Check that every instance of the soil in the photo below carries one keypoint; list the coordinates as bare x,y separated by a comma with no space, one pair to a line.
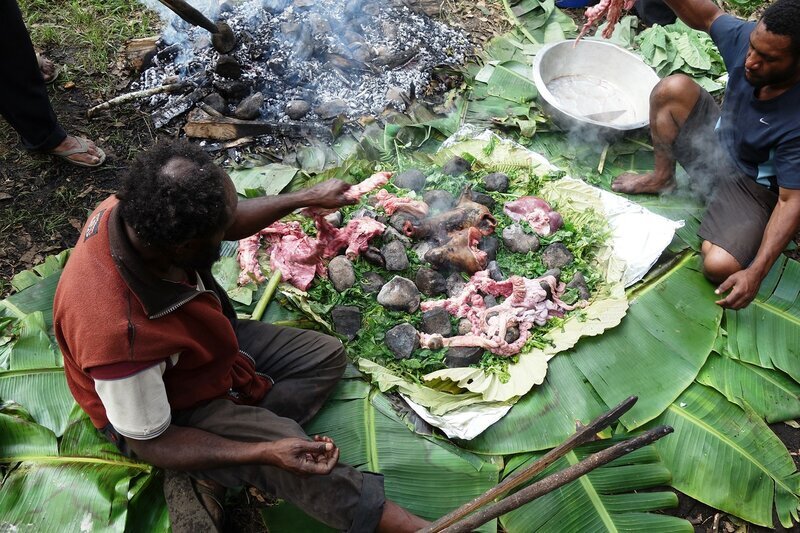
44,201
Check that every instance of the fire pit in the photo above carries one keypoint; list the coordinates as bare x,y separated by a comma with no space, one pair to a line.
298,62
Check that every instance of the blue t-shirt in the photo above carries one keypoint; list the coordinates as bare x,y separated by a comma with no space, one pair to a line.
762,136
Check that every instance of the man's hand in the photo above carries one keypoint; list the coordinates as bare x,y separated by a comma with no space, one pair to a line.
743,286
329,194
304,457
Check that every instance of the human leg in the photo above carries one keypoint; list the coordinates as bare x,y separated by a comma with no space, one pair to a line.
733,226
24,102
671,104
304,366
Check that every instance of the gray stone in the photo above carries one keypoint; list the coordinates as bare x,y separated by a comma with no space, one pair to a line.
496,181
297,109
439,200
346,320
362,53
374,256
400,294
250,107
489,244
436,320
464,326
456,167
555,272
482,198
372,282
412,178
494,271
399,218
277,66
363,212
273,6
394,255
216,102
460,357
402,340
332,108
341,273
429,282
455,284
391,234
512,334
578,282
556,255
334,219
228,67
422,248
516,240
489,301
232,89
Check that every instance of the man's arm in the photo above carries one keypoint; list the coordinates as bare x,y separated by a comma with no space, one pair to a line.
697,14
782,227
258,213
185,448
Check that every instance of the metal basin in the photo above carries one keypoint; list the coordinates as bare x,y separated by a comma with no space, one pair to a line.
594,86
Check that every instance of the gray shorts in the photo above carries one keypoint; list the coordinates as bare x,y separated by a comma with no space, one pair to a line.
738,208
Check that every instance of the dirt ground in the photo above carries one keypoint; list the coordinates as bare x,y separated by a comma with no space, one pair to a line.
44,201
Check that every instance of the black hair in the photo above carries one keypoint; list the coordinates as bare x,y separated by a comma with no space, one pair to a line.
166,210
783,18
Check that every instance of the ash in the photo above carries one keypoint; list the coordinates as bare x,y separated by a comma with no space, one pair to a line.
317,60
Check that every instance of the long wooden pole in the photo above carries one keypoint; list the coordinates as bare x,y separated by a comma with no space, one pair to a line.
556,480
582,436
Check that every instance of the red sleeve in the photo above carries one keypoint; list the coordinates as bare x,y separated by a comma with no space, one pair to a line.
123,370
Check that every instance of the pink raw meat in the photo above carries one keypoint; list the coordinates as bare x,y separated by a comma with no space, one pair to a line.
391,203
611,9
536,212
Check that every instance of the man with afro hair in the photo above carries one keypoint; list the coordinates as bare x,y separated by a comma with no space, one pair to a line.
748,152
155,355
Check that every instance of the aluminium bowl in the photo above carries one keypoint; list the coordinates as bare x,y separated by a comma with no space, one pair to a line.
594,86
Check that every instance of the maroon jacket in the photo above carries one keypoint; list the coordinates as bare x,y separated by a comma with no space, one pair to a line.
109,309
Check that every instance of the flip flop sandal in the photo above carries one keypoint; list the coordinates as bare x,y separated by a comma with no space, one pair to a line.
83,148
48,79
211,495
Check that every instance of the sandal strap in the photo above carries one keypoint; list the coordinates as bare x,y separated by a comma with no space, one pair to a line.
83,148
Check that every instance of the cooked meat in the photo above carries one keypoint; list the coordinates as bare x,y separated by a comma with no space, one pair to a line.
460,252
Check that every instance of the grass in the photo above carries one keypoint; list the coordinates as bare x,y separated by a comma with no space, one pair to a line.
93,30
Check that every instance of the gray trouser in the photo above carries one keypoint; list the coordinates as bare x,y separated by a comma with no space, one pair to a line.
305,366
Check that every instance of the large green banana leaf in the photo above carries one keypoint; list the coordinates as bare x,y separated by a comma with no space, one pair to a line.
728,457
770,393
606,499
655,353
82,485
767,332
426,476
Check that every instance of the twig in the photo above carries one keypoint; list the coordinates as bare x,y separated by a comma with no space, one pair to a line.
135,95
603,155
582,436
269,292
559,479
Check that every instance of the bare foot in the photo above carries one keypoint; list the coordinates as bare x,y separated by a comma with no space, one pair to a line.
631,183
79,151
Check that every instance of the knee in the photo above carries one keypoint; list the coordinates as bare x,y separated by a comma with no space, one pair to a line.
674,88
718,264
337,358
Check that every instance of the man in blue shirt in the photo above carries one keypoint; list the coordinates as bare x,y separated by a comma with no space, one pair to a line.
748,152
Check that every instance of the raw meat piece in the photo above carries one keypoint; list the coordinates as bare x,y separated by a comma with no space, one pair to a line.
536,212
379,179
611,9
391,203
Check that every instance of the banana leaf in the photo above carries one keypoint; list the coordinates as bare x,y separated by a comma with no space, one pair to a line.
655,353
770,393
606,499
767,332
426,476
47,489
727,457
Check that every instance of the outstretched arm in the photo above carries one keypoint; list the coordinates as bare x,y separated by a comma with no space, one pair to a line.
782,227
697,14
258,213
185,448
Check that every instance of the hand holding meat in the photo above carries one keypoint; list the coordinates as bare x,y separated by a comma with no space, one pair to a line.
330,194
304,457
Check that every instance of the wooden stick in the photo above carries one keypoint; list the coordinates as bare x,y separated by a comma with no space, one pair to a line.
582,436
135,95
558,479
